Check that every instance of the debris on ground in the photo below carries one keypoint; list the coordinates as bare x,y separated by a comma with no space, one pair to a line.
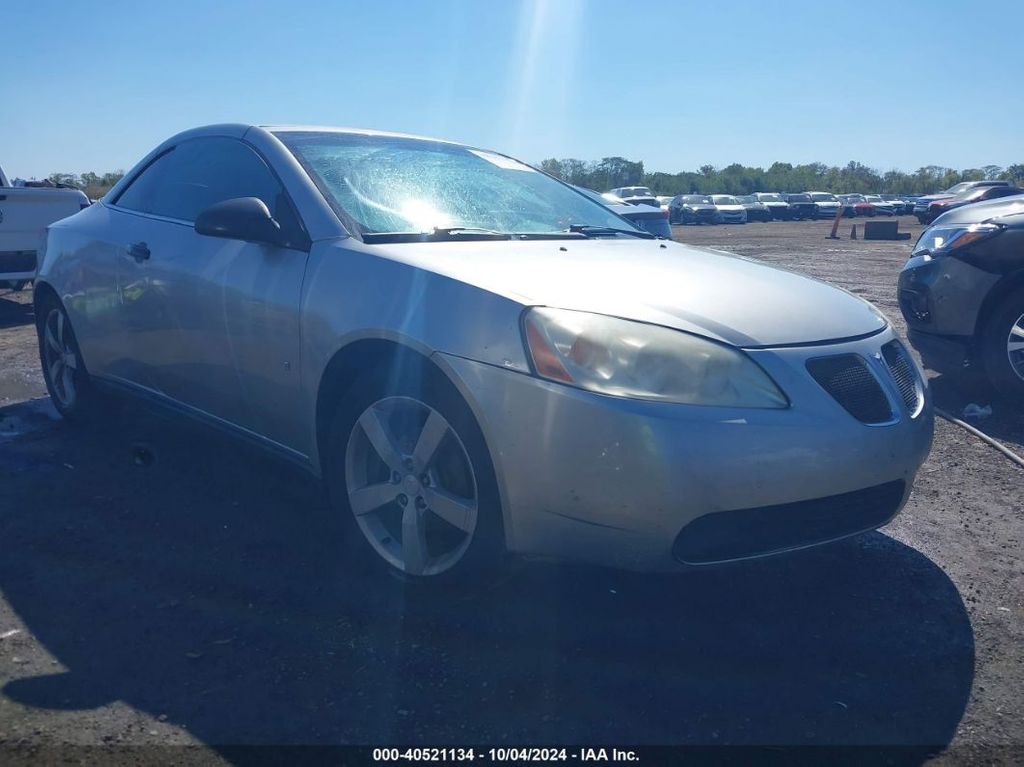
974,410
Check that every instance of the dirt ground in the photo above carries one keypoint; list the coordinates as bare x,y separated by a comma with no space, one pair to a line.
196,598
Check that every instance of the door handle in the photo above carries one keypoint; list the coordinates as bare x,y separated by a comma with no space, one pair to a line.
139,251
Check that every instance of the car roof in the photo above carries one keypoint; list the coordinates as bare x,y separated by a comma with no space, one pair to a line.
1007,210
353,131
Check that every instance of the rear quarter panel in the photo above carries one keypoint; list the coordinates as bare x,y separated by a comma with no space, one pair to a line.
79,263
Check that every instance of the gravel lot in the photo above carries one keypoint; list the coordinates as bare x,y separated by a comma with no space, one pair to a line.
197,599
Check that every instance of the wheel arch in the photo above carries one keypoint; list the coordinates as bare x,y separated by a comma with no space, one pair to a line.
1008,284
365,355
43,291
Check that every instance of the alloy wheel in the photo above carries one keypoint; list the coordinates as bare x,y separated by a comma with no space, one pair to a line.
60,358
411,485
1015,347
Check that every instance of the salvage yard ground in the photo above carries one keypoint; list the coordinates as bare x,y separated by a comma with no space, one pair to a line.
197,598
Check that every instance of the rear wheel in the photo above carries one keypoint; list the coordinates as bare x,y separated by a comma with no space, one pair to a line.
1002,346
408,469
64,372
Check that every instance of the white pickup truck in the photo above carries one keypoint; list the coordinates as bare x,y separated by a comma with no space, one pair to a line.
25,212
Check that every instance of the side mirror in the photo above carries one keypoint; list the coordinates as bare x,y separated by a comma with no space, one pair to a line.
243,218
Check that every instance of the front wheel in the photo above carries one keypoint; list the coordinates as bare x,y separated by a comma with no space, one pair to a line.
1002,347
408,468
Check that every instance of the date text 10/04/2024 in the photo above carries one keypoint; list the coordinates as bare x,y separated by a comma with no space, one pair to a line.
504,754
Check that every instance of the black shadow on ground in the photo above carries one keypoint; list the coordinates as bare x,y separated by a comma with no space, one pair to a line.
14,314
207,587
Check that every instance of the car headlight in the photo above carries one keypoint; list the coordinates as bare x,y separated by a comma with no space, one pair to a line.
941,240
640,361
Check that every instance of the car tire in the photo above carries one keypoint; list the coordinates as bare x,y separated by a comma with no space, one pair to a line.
374,544
1003,367
67,379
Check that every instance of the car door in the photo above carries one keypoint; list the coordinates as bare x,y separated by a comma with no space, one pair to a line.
216,319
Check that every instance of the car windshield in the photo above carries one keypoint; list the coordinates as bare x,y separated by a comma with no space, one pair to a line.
635,191
765,197
970,194
724,199
823,197
747,199
392,185
799,198
956,189
696,199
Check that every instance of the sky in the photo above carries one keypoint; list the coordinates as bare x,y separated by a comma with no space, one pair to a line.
677,84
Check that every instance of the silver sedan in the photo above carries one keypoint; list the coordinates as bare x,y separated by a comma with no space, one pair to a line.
478,359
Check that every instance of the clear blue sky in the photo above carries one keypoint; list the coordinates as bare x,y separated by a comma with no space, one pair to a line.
891,83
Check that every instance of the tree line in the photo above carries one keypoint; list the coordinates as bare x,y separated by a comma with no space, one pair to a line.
854,177
95,185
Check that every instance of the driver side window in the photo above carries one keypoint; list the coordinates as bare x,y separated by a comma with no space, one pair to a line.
197,173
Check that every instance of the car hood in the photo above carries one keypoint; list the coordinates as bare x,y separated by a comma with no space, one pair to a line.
730,207
698,205
1005,210
933,197
708,292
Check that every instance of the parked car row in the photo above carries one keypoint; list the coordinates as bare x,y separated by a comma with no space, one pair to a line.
760,206
775,206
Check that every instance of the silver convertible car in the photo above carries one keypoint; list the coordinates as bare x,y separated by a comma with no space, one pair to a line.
477,358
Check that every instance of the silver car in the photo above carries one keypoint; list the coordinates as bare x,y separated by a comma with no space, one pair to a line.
477,358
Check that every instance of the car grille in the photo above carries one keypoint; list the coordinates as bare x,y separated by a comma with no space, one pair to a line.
725,535
904,375
847,378
18,261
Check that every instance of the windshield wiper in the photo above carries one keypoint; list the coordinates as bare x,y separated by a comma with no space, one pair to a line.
455,231
439,234
591,229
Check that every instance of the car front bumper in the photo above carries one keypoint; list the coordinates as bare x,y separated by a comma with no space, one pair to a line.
943,354
941,300
618,482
